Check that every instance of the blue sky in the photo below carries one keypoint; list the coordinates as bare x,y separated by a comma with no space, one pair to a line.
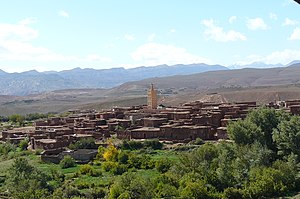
64,34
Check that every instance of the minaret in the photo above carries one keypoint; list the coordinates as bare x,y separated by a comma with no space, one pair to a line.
152,98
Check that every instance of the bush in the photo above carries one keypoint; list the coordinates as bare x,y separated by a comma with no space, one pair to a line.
107,166
198,141
87,169
119,169
163,165
85,143
5,148
132,145
67,162
95,193
111,153
154,144
83,185
23,144
232,193
135,161
123,157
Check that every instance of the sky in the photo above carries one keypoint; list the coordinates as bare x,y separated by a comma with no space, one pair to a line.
64,34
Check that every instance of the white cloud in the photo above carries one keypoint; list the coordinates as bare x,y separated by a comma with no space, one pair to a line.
27,21
151,37
129,37
151,54
256,24
289,22
232,19
17,32
295,35
217,33
63,14
172,30
284,57
273,16
15,45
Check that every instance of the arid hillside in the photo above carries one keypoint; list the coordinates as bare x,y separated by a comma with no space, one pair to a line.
261,85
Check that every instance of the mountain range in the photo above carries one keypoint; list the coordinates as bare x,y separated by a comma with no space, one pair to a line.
225,79
248,84
34,82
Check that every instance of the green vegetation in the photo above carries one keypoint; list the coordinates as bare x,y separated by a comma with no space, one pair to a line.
17,120
86,143
262,162
67,162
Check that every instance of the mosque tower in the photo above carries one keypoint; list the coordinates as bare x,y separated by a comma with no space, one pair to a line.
152,98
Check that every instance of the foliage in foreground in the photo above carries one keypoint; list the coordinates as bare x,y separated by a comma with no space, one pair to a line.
262,162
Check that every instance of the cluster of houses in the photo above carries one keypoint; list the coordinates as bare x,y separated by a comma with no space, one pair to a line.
184,123
187,122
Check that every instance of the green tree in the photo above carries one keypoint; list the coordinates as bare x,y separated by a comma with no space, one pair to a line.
194,190
267,119
25,181
131,185
244,132
287,137
16,118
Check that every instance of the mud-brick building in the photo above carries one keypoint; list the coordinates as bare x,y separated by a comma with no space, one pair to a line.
47,144
145,133
154,121
294,109
190,133
221,133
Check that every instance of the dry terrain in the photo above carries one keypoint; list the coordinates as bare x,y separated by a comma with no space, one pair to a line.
261,85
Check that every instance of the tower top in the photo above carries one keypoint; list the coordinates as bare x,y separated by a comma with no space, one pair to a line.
152,86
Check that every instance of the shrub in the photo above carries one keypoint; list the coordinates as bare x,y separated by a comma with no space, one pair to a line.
87,169
67,162
154,144
111,153
83,185
107,166
198,141
23,144
123,157
135,161
132,145
232,193
85,143
163,165
119,169
5,148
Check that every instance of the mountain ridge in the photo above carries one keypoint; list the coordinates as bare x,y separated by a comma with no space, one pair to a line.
32,82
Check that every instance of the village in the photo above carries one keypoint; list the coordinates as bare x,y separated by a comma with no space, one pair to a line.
205,120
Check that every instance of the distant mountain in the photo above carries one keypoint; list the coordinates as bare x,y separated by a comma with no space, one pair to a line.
248,77
255,65
293,62
2,72
31,82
